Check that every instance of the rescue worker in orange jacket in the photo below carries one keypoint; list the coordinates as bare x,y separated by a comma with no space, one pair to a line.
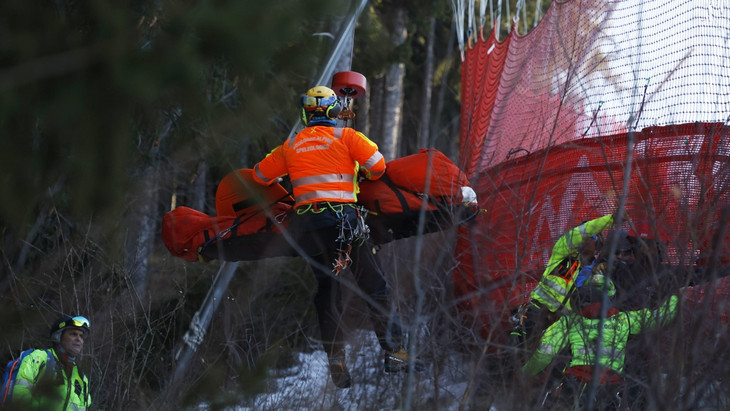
323,163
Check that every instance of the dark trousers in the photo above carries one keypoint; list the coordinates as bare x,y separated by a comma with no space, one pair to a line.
574,394
532,319
319,235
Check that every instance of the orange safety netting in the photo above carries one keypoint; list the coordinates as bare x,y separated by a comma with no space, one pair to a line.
552,121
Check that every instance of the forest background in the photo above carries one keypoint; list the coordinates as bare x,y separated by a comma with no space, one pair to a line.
114,112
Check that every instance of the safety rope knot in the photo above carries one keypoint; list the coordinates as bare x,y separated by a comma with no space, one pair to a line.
342,261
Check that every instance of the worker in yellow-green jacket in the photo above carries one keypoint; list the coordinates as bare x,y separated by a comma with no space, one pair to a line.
51,379
574,250
597,345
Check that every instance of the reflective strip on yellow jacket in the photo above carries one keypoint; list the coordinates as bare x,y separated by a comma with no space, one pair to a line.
581,334
323,164
65,393
552,290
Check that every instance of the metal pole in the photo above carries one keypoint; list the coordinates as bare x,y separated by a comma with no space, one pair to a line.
201,320
342,41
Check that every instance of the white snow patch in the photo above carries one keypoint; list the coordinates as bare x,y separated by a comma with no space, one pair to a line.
308,385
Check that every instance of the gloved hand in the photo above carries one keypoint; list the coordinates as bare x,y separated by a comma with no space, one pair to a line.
468,196
623,214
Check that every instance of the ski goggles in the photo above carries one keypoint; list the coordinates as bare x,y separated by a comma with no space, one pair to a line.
310,103
78,321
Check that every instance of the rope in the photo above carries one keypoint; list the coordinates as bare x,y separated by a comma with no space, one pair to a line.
237,222
347,236
458,8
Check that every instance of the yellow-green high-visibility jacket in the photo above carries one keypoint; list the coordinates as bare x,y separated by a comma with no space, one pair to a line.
555,285
39,390
581,334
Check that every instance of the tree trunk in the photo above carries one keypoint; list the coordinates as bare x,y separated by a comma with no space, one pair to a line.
143,230
362,111
144,218
451,139
197,192
424,131
393,99
344,62
374,127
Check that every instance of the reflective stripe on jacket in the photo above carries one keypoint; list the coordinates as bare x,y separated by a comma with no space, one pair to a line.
70,393
553,289
323,164
581,334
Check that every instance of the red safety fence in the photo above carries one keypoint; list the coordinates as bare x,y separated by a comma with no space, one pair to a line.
679,186
553,122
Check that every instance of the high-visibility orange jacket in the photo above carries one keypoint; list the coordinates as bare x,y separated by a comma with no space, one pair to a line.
323,164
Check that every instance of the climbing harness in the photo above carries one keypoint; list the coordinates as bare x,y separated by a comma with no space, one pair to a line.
362,231
348,234
344,243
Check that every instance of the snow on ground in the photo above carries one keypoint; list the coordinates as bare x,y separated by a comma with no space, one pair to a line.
308,385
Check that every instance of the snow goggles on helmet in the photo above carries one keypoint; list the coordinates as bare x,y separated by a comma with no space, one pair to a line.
77,321
311,103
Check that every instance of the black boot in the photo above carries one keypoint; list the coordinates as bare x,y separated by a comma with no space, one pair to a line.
397,361
338,371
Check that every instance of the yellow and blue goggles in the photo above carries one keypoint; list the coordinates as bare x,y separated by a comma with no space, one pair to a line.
311,103
77,321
